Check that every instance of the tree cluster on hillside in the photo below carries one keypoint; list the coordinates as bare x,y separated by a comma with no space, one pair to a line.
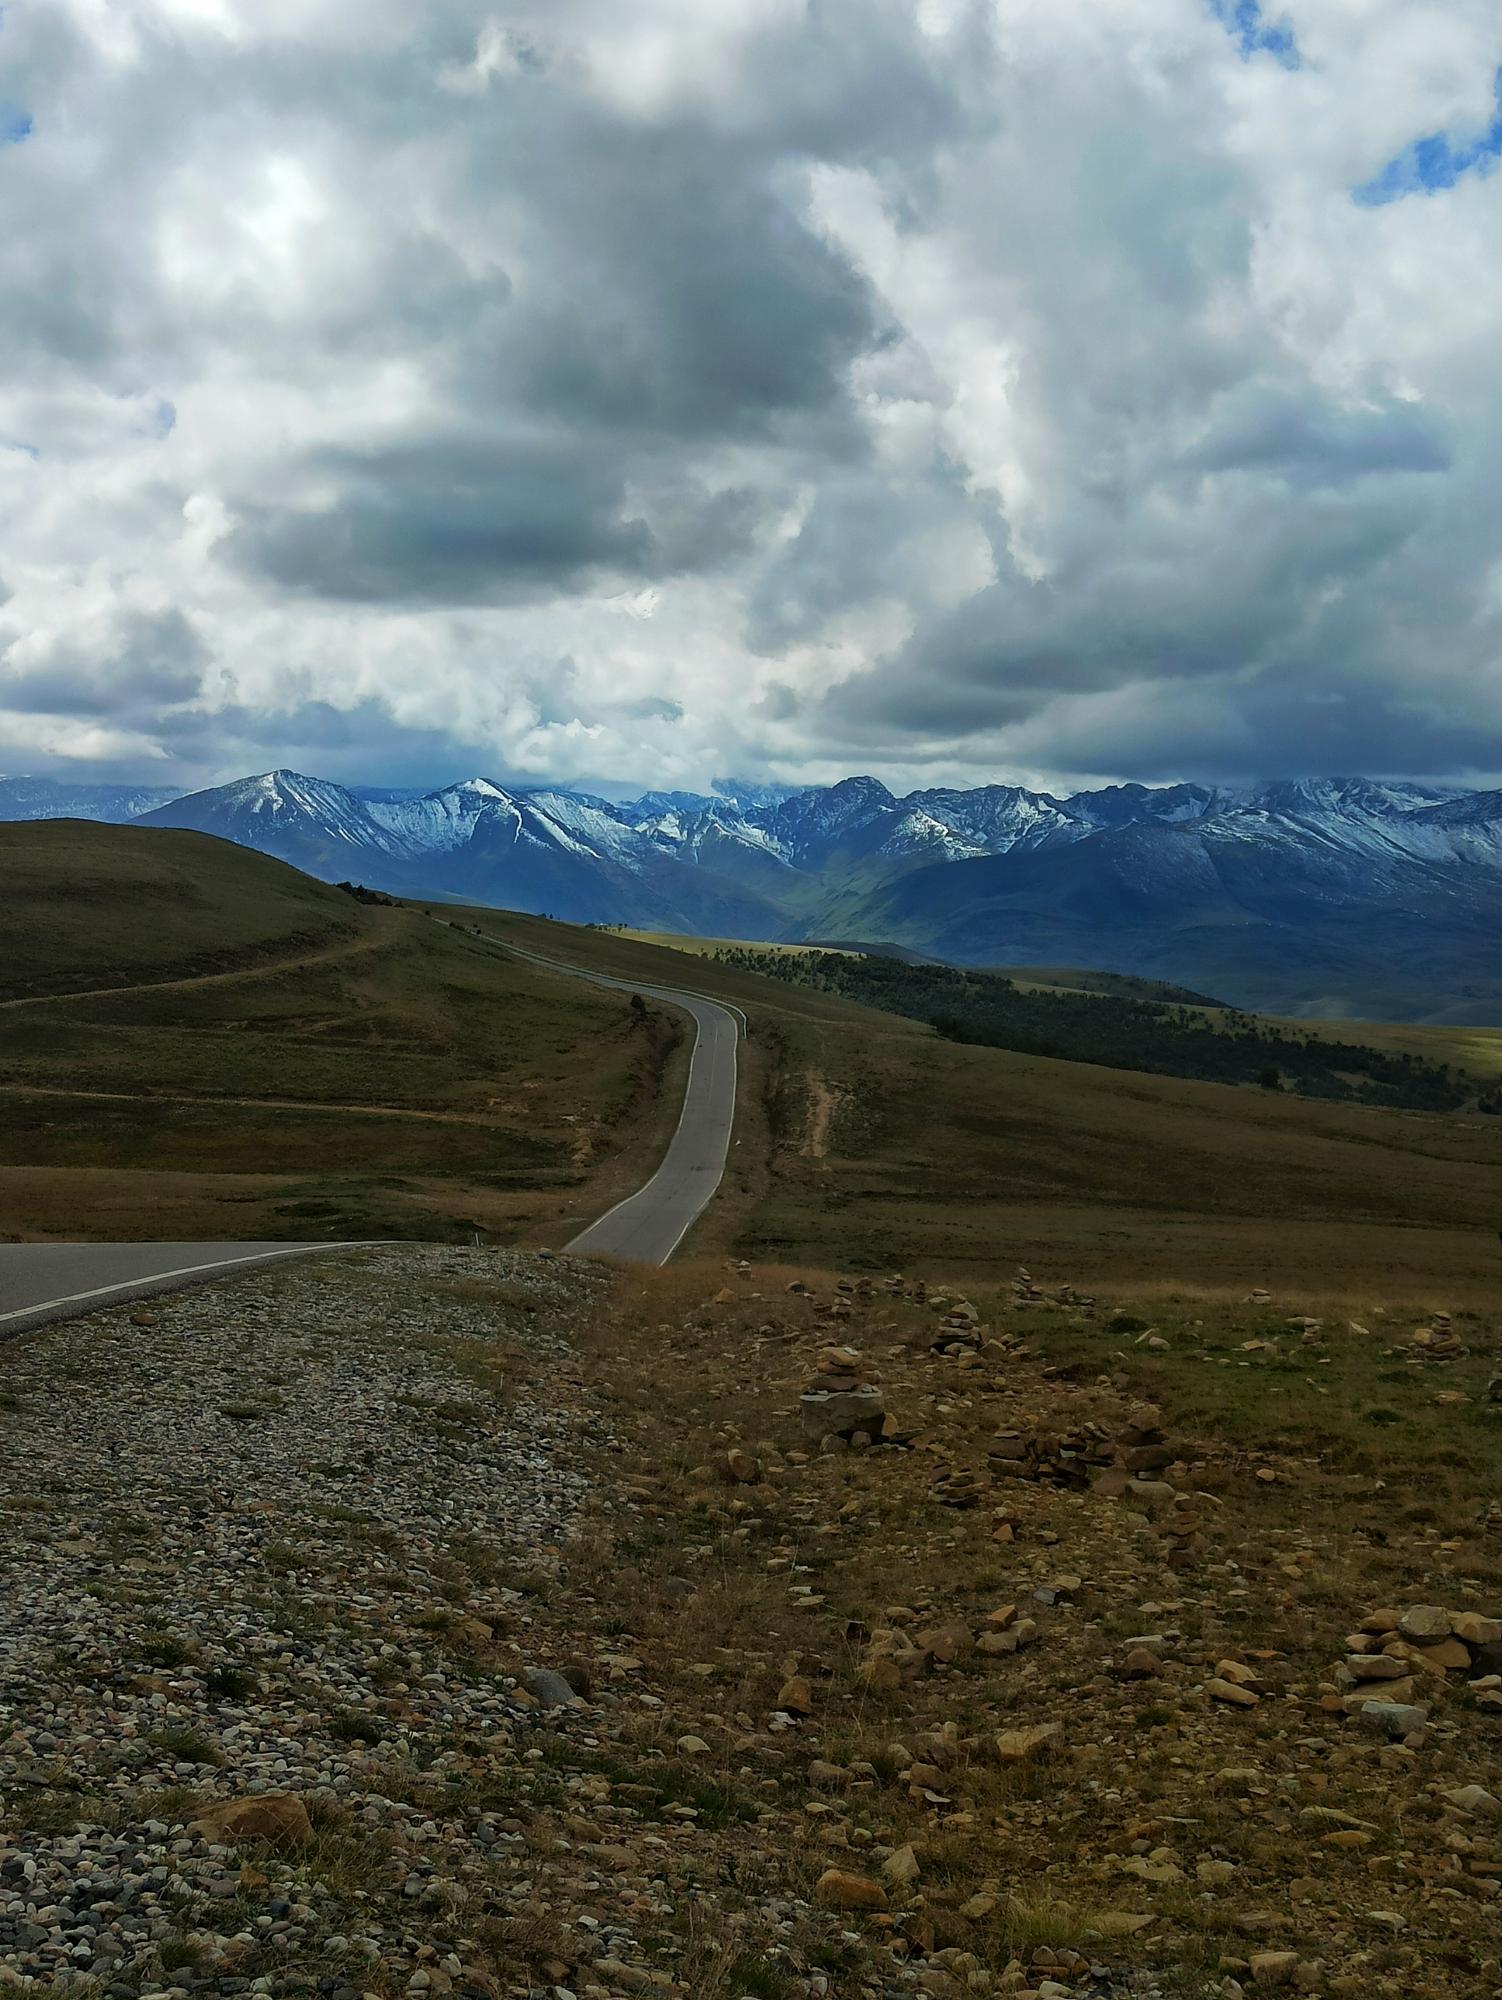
1162,1037
363,895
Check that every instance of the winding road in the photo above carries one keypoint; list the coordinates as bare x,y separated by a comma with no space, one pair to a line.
42,1282
648,1226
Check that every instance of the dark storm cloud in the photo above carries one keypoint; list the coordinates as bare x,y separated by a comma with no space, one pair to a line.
1312,445
140,665
678,293
448,522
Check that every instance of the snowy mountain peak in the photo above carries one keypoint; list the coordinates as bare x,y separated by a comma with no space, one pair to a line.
480,788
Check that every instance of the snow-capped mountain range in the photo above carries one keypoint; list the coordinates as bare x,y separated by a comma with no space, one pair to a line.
1314,895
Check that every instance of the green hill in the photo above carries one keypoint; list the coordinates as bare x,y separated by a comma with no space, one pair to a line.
85,905
199,1041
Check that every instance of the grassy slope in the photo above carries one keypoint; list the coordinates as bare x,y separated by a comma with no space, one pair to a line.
889,1146
86,905
334,1069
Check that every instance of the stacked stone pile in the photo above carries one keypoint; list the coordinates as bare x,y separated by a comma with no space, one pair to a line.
844,1400
1135,1458
1051,1458
960,1330
1397,1658
1437,1342
1028,1296
1025,1294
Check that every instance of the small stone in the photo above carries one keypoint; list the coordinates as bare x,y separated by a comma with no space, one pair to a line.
1021,1746
692,1746
837,1889
279,1817
795,1696
1230,1693
901,1866
1425,1621
1474,1629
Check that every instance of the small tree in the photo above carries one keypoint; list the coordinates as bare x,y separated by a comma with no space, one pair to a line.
1270,1078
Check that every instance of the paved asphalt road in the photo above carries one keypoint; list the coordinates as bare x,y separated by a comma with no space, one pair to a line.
648,1226
40,1282
46,1281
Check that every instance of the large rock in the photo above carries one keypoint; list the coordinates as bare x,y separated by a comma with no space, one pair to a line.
1475,1800
550,1688
1375,1667
1021,1746
279,1817
1381,1691
824,1413
795,1696
1394,1718
1425,1622
1231,1693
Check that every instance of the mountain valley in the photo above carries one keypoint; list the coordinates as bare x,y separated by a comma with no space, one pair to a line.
1320,898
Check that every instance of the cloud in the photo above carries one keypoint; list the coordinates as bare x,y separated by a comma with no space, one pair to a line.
1431,164
629,390
1254,34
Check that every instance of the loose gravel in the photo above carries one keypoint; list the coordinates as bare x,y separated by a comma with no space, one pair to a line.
262,1538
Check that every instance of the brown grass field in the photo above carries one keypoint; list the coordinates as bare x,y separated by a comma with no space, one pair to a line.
874,1143
233,1050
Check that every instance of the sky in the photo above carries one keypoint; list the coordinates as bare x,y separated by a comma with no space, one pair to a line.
622,392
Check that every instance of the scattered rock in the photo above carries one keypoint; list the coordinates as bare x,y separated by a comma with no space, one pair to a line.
1022,1746
278,1817
548,1687
837,1889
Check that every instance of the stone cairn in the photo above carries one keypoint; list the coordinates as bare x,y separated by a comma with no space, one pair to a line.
844,1400
1436,1342
1395,1656
959,1331
1030,1297
1073,1459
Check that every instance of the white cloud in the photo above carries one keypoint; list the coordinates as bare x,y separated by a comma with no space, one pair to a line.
631,389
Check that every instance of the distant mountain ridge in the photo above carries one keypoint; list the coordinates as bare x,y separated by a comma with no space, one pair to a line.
1313,895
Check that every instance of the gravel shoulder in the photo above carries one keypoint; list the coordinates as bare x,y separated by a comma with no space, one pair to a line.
449,1622
264,1538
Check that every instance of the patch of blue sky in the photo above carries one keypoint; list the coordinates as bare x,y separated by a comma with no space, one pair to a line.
1254,34
1436,162
15,125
